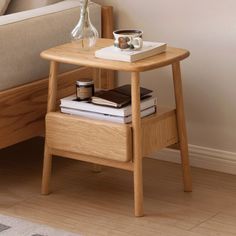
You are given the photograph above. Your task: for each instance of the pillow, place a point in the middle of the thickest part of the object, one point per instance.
(24, 5)
(3, 6)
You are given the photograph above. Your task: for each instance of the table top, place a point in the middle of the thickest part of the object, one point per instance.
(70, 54)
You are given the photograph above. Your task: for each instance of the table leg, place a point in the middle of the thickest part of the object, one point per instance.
(137, 144)
(97, 78)
(52, 86)
(97, 75)
(183, 141)
(52, 96)
(47, 169)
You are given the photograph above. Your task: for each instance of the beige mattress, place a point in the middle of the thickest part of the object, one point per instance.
(24, 35)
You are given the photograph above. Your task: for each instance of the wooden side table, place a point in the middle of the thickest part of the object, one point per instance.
(106, 143)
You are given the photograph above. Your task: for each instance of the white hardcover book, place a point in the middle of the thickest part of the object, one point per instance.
(70, 102)
(149, 49)
(106, 117)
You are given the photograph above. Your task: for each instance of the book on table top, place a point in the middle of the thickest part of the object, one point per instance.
(118, 97)
(149, 49)
(71, 102)
(107, 117)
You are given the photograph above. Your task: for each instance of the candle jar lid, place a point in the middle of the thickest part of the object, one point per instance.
(85, 82)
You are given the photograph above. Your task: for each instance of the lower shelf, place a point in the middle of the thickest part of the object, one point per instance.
(109, 140)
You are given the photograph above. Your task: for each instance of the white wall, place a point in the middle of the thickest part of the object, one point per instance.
(208, 29)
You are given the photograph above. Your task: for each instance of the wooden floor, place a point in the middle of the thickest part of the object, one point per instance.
(102, 204)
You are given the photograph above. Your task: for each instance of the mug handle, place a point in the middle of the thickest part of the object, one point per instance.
(137, 43)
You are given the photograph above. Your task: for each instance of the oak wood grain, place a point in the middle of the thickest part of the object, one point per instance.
(23, 108)
(106, 199)
(182, 131)
(76, 134)
(69, 53)
(72, 136)
(159, 130)
(92, 159)
(137, 144)
(109, 79)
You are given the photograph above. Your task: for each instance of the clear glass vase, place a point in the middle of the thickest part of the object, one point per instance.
(84, 35)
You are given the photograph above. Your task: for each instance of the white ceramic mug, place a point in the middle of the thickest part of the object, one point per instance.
(128, 39)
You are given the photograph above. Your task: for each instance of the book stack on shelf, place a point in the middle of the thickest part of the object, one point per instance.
(111, 105)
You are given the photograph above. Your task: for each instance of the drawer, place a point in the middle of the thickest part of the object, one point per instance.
(79, 135)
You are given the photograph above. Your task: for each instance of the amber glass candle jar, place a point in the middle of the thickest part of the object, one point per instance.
(84, 89)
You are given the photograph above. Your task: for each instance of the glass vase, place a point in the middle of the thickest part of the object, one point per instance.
(84, 35)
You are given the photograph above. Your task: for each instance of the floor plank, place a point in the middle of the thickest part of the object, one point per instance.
(102, 203)
(220, 224)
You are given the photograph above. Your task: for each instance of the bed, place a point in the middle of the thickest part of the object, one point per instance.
(23, 75)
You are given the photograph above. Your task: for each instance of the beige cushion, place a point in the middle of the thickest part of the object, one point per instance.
(3, 6)
(23, 5)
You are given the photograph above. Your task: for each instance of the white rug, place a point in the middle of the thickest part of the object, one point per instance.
(11, 226)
